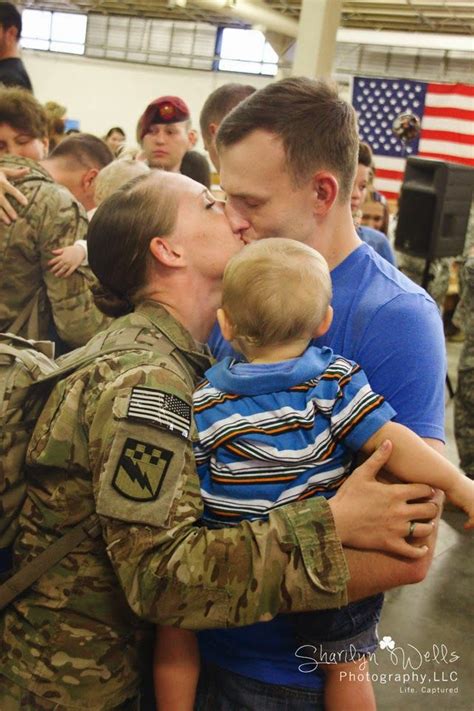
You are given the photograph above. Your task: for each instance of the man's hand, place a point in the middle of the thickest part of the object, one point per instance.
(7, 212)
(373, 515)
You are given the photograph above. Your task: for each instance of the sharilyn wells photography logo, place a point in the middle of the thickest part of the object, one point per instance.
(416, 671)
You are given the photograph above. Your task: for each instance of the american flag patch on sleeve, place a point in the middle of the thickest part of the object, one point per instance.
(161, 410)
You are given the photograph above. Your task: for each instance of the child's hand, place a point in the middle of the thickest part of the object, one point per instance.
(68, 259)
(462, 495)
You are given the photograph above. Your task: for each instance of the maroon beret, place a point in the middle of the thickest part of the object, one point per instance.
(165, 109)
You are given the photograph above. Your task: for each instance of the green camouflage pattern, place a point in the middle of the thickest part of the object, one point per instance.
(22, 363)
(52, 219)
(76, 636)
(461, 313)
(464, 400)
(414, 267)
(13, 697)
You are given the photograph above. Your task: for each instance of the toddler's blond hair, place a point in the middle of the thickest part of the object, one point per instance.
(116, 174)
(275, 291)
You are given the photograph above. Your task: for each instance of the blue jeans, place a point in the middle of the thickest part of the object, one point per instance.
(222, 690)
(349, 633)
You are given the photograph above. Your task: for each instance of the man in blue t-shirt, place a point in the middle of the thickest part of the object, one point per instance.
(288, 157)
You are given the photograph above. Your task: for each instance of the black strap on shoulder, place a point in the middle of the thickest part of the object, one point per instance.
(20, 581)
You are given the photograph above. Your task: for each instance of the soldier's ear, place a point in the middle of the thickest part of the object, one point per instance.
(88, 178)
(166, 253)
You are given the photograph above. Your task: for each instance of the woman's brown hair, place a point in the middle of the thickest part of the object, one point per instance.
(119, 236)
(20, 110)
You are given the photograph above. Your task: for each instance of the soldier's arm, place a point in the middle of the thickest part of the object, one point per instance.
(75, 315)
(174, 571)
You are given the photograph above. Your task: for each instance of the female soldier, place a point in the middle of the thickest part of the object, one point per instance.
(115, 437)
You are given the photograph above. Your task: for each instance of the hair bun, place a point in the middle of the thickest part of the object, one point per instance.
(110, 302)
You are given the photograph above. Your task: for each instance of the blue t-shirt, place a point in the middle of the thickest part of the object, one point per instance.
(393, 329)
(379, 242)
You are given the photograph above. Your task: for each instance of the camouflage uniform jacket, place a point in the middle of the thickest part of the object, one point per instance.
(117, 437)
(468, 298)
(51, 219)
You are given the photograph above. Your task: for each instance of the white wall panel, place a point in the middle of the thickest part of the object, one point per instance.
(102, 94)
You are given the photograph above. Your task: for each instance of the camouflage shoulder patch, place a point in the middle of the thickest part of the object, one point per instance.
(141, 470)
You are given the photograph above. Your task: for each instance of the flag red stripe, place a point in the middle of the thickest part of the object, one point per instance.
(463, 89)
(448, 112)
(389, 195)
(448, 136)
(390, 174)
(443, 156)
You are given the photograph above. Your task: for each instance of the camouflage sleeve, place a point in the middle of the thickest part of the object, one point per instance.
(75, 315)
(469, 272)
(172, 570)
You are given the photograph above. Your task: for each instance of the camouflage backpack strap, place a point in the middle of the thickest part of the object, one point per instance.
(20, 581)
(166, 347)
(149, 337)
(28, 315)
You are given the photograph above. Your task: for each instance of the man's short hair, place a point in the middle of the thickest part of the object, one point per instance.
(365, 155)
(275, 291)
(85, 150)
(10, 17)
(20, 110)
(195, 166)
(220, 102)
(317, 128)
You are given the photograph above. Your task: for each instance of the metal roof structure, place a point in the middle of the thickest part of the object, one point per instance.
(281, 16)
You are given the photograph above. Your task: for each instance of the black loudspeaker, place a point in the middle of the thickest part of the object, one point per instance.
(434, 207)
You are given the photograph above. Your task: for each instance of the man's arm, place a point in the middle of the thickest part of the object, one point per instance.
(373, 571)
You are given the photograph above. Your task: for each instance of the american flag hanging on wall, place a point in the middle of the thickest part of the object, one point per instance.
(446, 112)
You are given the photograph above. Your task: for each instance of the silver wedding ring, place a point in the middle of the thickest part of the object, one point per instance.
(411, 527)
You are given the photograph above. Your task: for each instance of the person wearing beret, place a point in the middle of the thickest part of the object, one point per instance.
(164, 133)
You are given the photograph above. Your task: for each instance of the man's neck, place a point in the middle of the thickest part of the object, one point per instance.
(335, 236)
(277, 353)
(10, 53)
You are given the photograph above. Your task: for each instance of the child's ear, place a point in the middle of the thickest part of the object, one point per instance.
(325, 324)
(226, 326)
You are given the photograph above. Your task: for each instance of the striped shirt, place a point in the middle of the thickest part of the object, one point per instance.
(270, 434)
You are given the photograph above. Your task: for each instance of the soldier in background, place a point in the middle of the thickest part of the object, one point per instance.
(164, 133)
(438, 277)
(464, 319)
(115, 438)
(216, 107)
(33, 302)
(76, 162)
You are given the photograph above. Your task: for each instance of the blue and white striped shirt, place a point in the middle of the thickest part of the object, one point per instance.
(270, 434)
